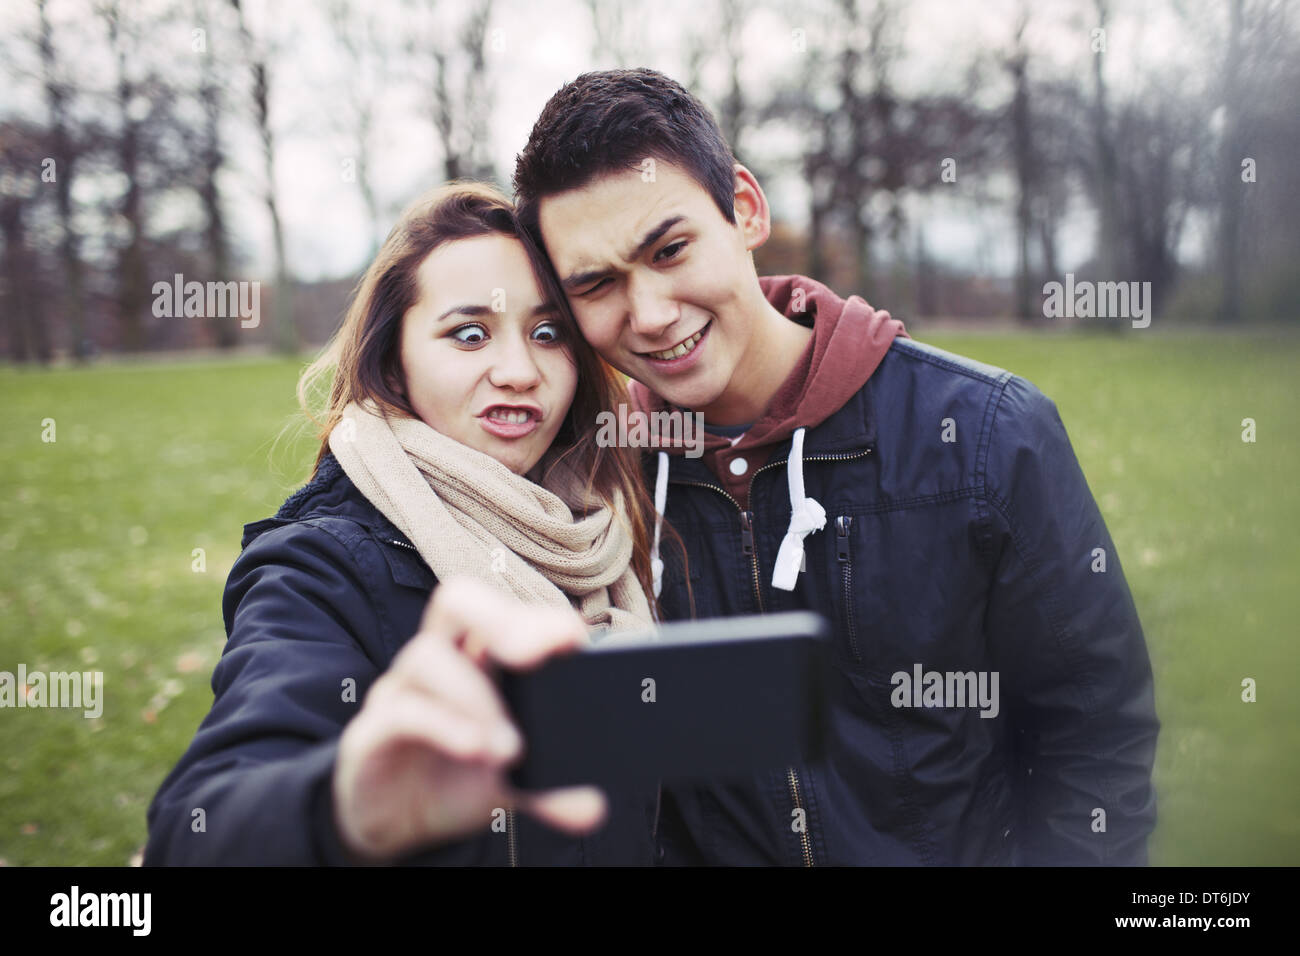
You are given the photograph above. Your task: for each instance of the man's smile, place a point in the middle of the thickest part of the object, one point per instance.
(684, 347)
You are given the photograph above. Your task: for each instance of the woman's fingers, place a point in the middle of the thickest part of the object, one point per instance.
(575, 810)
(433, 667)
(400, 712)
(437, 696)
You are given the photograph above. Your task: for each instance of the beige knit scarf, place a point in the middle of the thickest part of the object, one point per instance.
(468, 514)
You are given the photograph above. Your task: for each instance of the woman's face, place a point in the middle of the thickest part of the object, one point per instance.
(483, 355)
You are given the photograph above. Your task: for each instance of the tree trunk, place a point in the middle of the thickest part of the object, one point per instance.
(132, 269)
(1230, 185)
(74, 306)
(223, 329)
(23, 304)
(1022, 146)
(1110, 236)
(284, 329)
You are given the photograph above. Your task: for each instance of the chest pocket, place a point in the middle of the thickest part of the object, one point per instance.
(861, 645)
(405, 564)
(850, 631)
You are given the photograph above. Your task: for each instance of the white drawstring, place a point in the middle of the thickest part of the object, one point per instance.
(806, 516)
(661, 502)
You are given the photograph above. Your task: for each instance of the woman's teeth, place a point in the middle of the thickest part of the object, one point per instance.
(509, 416)
(679, 350)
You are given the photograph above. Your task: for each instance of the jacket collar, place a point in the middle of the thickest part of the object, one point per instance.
(329, 493)
(850, 430)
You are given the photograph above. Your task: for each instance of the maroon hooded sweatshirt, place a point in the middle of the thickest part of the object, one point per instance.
(849, 340)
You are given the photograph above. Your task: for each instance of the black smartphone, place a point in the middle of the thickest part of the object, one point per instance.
(692, 700)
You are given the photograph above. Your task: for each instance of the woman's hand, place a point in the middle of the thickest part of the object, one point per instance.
(424, 760)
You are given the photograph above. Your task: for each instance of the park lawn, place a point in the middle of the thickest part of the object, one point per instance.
(98, 531)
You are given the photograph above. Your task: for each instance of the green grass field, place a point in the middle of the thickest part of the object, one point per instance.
(98, 531)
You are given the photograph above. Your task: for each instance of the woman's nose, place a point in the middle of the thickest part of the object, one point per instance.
(514, 367)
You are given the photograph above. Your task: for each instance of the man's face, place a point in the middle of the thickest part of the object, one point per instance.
(661, 284)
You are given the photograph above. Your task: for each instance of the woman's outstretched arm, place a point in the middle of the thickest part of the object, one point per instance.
(308, 657)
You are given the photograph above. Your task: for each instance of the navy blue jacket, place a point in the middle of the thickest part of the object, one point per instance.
(984, 553)
(325, 592)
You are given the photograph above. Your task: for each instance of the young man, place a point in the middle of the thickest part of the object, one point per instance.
(993, 697)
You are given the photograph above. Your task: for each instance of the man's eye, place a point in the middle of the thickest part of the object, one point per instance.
(469, 334)
(547, 333)
(670, 251)
(587, 292)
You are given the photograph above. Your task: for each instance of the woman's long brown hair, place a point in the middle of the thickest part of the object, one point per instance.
(363, 359)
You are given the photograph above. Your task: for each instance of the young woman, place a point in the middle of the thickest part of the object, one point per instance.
(351, 723)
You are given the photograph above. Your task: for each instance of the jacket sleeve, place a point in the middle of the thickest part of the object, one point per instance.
(1064, 632)
(254, 787)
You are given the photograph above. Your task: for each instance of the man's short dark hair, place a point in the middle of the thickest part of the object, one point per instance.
(612, 120)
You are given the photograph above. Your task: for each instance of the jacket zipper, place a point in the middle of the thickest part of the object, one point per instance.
(792, 775)
(746, 533)
(843, 555)
(512, 846)
(402, 544)
(792, 778)
(747, 547)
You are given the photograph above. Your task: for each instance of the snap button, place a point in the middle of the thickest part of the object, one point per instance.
(739, 466)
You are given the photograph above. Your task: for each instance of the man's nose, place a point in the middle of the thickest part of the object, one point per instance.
(651, 306)
(514, 366)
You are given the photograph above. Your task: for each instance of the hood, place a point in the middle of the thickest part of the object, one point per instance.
(849, 340)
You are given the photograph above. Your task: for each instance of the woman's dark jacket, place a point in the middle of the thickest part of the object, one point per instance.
(320, 600)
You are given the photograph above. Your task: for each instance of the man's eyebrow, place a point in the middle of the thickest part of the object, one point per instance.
(576, 279)
(651, 237)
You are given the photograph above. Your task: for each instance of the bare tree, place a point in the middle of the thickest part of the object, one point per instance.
(1105, 168)
(1162, 137)
(133, 99)
(1230, 187)
(619, 32)
(1026, 164)
(353, 115)
(459, 85)
(1249, 69)
(58, 94)
(1058, 125)
(258, 52)
(22, 295)
(211, 161)
(865, 144)
(1046, 117)
(846, 133)
(733, 115)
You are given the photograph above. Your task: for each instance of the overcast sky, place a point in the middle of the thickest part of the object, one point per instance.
(537, 47)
